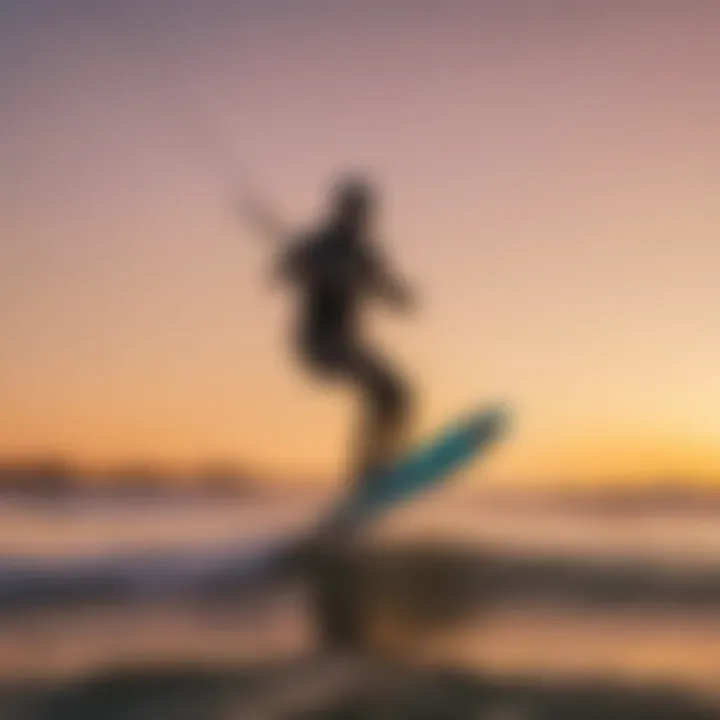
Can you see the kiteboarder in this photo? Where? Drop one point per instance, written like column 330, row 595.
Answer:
column 336, row 269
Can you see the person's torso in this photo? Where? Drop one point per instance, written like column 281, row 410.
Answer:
column 332, row 297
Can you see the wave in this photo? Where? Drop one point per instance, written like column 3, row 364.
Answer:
column 240, row 564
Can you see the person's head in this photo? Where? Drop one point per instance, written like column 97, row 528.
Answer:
column 353, row 201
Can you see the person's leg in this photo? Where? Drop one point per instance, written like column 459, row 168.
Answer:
column 385, row 412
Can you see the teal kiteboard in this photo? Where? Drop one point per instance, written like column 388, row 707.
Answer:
column 434, row 462
column 431, row 464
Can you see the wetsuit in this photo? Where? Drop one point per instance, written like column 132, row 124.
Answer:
column 336, row 273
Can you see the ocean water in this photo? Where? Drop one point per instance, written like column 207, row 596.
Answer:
column 655, row 641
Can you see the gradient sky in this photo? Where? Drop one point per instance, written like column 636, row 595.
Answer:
column 551, row 174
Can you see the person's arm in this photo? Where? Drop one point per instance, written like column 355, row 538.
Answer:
column 388, row 285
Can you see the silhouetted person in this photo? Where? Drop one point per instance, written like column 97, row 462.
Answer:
column 337, row 269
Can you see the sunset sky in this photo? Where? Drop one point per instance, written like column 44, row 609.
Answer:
column 551, row 184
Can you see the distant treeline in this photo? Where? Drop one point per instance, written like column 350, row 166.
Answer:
column 59, row 476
